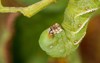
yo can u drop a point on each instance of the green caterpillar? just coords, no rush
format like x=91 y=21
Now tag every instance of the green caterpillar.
x=62 y=40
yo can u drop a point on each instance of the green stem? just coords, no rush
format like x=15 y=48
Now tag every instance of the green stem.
x=74 y=57
x=35 y=8
x=27 y=11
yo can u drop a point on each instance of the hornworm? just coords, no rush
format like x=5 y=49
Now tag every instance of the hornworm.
x=61 y=40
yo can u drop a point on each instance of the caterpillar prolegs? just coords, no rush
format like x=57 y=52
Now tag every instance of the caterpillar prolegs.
x=61 y=40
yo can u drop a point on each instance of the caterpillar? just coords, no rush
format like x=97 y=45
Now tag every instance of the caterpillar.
x=61 y=40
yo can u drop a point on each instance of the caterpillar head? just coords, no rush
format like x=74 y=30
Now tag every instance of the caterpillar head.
x=54 y=42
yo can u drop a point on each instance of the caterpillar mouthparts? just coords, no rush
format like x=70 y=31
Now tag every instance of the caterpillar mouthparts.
x=55 y=29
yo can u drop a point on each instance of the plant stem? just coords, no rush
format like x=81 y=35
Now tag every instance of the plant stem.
x=27 y=11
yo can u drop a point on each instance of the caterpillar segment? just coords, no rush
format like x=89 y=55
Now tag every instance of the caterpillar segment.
x=62 y=40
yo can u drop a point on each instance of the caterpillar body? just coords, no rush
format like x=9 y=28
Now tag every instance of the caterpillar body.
x=62 y=40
